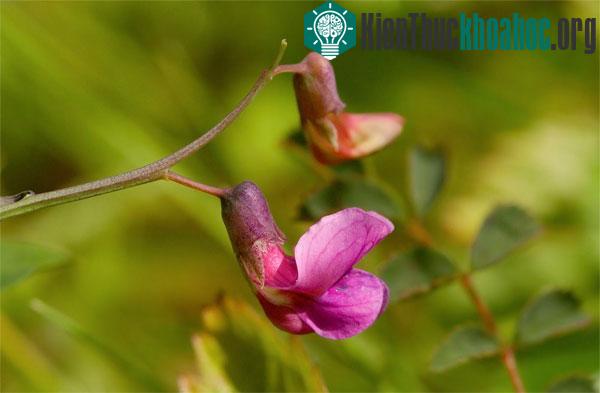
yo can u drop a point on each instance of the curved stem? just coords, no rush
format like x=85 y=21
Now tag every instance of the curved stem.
x=145 y=174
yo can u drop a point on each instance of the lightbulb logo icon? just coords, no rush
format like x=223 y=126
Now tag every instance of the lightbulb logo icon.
x=330 y=30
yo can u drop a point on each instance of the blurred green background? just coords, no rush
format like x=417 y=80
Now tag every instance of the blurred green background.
x=90 y=89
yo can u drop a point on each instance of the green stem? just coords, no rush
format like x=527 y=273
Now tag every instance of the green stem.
x=148 y=173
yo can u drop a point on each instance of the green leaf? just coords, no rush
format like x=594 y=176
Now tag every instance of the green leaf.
x=349 y=193
x=210 y=361
x=349 y=168
x=427 y=172
x=573 y=384
x=20 y=260
x=417 y=272
x=297 y=139
x=462 y=345
x=506 y=228
x=550 y=314
x=121 y=360
x=253 y=354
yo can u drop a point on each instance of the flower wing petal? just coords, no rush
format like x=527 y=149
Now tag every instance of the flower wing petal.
x=347 y=308
x=333 y=245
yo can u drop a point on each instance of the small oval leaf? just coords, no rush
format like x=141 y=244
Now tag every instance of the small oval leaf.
x=573 y=384
x=349 y=193
x=462 y=345
x=20 y=260
x=427 y=172
x=550 y=314
x=417 y=272
x=349 y=168
x=210 y=361
x=505 y=228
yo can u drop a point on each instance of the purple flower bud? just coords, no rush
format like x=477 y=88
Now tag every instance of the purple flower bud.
x=316 y=89
x=333 y=134
x=250 y=226
x=319 y=290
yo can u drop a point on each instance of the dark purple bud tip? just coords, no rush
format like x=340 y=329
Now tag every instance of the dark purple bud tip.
x=316 y=89
x=250 y=226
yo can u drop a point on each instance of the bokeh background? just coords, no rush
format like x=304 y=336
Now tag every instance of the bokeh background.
x=90 y=89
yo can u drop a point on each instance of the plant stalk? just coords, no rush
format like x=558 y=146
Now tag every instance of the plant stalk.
x=148 y=173
x=184 y=181
x=421 y=235
x=508 y=355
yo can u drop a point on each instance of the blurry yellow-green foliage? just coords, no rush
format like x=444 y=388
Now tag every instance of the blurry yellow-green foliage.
x=90 y=89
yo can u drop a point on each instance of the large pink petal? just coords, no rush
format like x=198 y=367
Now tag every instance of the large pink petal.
x=347 y=308
x=333 y=245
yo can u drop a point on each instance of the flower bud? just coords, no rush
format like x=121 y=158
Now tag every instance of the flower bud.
x=316 y=89
x=334 y=135
x=251 y=228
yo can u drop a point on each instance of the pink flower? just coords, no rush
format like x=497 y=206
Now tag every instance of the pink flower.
x=318 y=290
x=334 y=135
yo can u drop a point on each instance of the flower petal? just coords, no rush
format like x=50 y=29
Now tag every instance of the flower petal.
x=345 y=136
x=333 y=245
x=349 y=307
x=284 y=317
x=279 y=269
x=363 y=134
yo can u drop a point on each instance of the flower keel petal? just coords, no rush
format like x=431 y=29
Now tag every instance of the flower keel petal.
x=285 y=318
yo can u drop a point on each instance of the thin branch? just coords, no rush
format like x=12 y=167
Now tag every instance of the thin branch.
x=419 y=233
x=145 y=174
x=508 y=356
x=214 y=191
x=482 y=309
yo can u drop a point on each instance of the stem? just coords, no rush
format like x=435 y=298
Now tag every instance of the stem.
x=508 y=356
x=298 y=68
x=148 y=173
x=215 y=191
x=482 y=309
x=420 y=234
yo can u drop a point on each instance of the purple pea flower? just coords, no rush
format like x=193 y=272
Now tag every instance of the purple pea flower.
x=318 y=290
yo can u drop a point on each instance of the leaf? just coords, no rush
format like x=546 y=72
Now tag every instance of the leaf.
x=20 y=260
x=417 y=272
x=553 y=313
x=349 y=168
x=122 y=360
x=349 y=193
x=210 y=361
x=427 y=172
x=297 y=139
x=505 y=228
x=462 y=345
x=573 y=384
x=249 y=353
